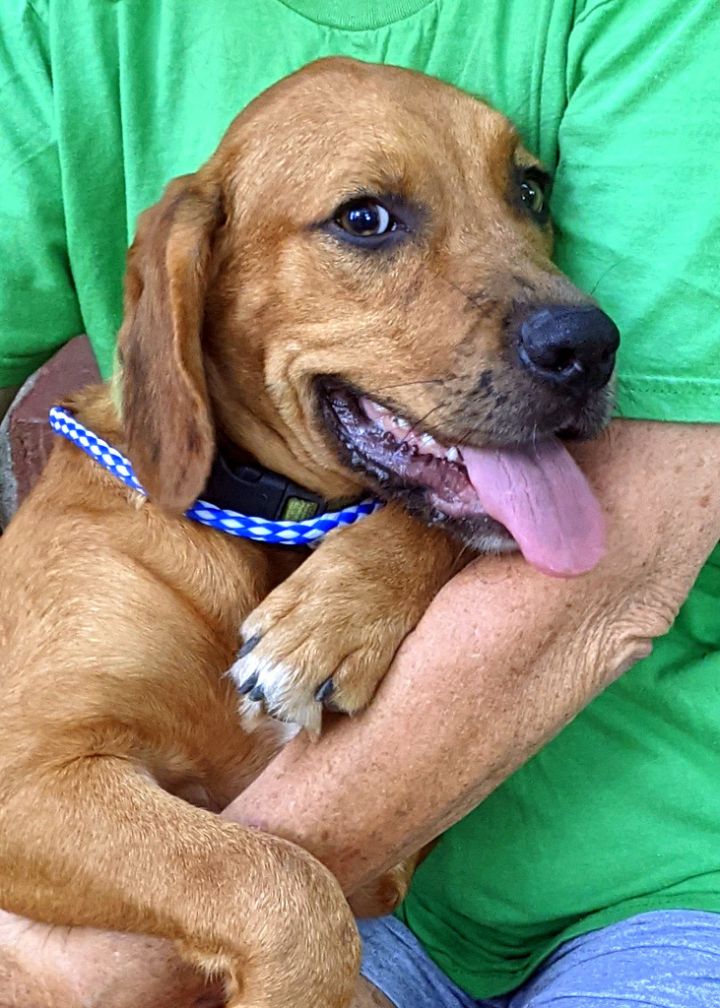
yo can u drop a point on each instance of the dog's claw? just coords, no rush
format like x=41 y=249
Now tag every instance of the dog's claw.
x=257 y=693
x=248 y=646
x=249 y=684
x=325 y=691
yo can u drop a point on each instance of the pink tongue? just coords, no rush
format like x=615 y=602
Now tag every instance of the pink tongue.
x=542 y=498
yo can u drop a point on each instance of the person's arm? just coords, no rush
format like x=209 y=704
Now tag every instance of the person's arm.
x=503 y=659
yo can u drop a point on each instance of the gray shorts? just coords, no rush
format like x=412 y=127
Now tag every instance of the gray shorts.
x=665 y=959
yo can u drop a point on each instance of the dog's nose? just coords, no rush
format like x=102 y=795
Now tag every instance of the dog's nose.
x=570 y=346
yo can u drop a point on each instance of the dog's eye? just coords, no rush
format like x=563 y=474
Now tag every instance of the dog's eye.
x=532 y=196
x=365 y=218
x=533 y=186
x=374 y=223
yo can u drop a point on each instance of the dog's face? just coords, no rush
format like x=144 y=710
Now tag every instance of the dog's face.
x=357 y=288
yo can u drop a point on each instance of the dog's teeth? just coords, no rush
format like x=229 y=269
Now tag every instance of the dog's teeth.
x=373 y=410
x=400 y=421
x=428 y=440
x=452 y=454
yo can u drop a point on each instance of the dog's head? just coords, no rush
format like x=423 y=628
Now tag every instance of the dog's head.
x=357 y=289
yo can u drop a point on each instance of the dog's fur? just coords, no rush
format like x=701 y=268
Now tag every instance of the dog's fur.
x=119 y=729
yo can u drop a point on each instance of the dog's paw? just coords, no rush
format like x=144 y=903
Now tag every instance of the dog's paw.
x=384 y=894
x=322 y=640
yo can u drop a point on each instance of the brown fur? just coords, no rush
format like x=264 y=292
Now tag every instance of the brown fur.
x=118 y=619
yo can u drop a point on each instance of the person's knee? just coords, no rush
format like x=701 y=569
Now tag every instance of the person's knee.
x=368 y=996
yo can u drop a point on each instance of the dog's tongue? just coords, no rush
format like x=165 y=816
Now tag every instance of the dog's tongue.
x=542 y=498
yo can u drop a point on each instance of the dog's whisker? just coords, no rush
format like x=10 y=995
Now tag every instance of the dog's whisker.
x=414 y=428
x=461 y=553
x=422 y=381
x=474 y=300
x=604 y=275
x=464 y=439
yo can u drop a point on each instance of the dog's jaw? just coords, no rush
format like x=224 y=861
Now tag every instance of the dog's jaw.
x=493 y=497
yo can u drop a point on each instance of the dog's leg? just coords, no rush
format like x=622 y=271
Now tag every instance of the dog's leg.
x=326 y=636
x=384 y=894
x=253 y=909
x=368 y=996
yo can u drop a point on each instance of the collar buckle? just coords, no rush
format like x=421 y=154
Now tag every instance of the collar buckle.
x=253 y=490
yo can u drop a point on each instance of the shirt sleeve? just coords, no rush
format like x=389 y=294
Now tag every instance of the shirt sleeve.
x=636 y=199
x=38 y=306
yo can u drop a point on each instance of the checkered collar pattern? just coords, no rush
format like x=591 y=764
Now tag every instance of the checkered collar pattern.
x=309 y=532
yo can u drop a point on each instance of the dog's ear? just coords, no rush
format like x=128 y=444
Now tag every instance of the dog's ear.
x=166 y=414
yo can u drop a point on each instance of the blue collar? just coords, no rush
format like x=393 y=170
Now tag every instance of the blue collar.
x=307 y=532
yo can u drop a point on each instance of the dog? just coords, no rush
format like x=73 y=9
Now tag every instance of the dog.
x=354 y=293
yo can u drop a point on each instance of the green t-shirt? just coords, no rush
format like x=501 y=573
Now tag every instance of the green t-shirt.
x=102 y=101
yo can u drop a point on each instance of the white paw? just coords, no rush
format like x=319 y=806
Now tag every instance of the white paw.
x=276 y=688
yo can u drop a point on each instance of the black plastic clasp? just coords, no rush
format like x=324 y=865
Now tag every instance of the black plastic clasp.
x=252 y=490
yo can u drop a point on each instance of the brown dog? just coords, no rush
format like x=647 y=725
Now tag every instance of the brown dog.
x=354 y=292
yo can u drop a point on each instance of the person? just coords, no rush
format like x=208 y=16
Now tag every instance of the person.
x=589 y=872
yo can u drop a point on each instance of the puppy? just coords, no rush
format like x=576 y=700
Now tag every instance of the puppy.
x=356 y=293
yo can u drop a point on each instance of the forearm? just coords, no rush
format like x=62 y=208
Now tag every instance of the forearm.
x=503 y=659
x=445 y=728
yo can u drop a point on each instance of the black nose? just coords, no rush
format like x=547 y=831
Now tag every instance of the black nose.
x=572 y=347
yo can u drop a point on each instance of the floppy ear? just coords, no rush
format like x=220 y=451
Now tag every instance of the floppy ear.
x=165 y=409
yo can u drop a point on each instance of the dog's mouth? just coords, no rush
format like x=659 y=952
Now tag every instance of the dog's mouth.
x=530 y=496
